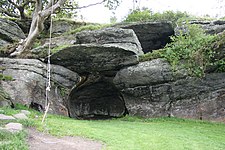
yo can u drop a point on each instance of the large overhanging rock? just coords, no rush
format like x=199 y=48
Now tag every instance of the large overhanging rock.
x=28 y=83
x=10 y=31
x=88 y=58
x=152 y=35
x=96 y=97
x=151 y=89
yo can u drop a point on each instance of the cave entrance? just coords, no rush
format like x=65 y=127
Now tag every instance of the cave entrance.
x=96 y=98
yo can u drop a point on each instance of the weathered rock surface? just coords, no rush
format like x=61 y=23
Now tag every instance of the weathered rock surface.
x=104 y=51
x=26 y=112
x=88 y=58
x=13 y=127
x=151 y=89
x=29 y=79
x=122 y=38
x=56 y=42
x=152 y=35
x=96 y=98
x=5 y=99
x=20 y=116
x=10 y=31
x=210 y=27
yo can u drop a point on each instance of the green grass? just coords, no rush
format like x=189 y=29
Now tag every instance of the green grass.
x=131 y=133
x=10 y=141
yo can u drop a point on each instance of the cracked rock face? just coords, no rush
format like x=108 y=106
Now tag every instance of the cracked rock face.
x=151 y=89
x=10 y=32
x=28 y=83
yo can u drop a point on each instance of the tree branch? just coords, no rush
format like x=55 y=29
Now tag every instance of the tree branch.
x=14 y=4
x=98 y=3
x=45 y=13
x=8 y=13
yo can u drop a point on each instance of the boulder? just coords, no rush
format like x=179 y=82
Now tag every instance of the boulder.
x=5 y=117
x=151 y=89
x=96 y=97
x=152 y=35
x=10 y=31
x=122 y=38
x=28 y=83
x=20 y=116
x=13 y=127
x=26 y=112
x=210 y=27
x=88 y=58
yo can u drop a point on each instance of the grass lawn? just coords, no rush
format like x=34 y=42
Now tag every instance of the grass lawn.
x=132 y=133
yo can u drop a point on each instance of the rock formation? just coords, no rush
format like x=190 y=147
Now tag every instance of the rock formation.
x=97 y=74
x=152 y=35
x=9 y=32
x=29 y=79
x=97 y=57
x=151 y=89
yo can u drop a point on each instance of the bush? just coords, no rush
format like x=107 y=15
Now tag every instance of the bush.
x=147 y=15
x=195 y=51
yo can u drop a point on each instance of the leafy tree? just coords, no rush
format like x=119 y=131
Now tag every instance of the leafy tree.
x=15 y=8
x=41 y=11
x=147 y=15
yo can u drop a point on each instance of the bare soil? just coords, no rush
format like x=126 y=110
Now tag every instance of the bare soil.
x=41 y=141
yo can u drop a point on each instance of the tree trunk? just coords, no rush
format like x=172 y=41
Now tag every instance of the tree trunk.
x=37 y=25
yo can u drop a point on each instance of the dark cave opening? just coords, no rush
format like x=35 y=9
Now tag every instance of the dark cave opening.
x=97 y=98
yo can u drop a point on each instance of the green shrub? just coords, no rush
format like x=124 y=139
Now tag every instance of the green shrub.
x=147 y=15
x=195 y=51
x=192 y=50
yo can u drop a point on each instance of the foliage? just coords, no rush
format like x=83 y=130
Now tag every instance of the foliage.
x=148 y=15
x=152 y=55
x=13 y=141
x=5 y=77
x=193 y=50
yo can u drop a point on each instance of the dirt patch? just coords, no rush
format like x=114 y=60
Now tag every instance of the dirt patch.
x=41 y=141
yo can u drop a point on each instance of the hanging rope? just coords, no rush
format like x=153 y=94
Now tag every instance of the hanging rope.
x=48 y=68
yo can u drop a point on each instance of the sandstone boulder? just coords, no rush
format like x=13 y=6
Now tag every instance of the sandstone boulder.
x=88 y=58
x=122 y=38
x=28 y=83
x=10 y=31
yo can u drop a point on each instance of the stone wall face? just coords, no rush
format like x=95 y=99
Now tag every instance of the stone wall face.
x=151 y=89
x=28 y=83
